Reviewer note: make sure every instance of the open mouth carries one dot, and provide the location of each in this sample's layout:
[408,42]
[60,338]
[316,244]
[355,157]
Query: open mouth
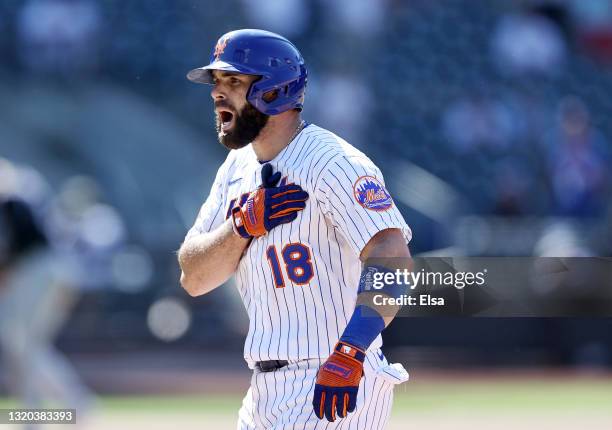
[226,118]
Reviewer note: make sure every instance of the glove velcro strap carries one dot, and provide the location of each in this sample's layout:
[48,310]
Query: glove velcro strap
[349,350]
[238,223]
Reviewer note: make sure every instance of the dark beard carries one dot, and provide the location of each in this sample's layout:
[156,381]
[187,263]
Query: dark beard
[247,126]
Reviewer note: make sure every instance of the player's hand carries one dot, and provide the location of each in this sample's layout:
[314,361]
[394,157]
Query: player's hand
[338,379]
[269,179]
[268,206]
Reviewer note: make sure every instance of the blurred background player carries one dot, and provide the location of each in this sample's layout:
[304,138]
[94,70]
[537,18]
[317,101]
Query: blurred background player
[37,295]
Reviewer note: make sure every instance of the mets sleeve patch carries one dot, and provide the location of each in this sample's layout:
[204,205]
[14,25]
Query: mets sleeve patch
[371,194]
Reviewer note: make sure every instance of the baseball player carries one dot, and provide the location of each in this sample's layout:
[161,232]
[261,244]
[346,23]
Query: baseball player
[297,215]
[36,297]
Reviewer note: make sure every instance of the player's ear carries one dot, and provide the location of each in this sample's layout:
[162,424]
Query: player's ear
[301,101]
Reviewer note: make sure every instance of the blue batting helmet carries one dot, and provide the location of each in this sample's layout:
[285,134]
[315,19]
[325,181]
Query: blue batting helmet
[266,54]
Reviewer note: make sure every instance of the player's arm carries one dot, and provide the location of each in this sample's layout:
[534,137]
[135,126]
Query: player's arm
[387,250]
[352,193]
[338,379]
[208,259]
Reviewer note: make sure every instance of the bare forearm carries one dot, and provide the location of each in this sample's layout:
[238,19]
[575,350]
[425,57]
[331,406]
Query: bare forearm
[387,249]
[210,259]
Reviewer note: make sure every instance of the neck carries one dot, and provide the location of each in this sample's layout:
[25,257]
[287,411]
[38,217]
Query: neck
[276,135]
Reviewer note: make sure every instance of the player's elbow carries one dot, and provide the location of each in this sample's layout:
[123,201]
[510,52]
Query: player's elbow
[193,284]
[194,287]
[200,273]
[198,281]
[189,286]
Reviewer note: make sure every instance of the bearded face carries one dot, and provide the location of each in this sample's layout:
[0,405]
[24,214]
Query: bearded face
[236,129]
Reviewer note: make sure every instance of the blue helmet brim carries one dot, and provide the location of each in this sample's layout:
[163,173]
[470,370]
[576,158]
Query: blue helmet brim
[203,75]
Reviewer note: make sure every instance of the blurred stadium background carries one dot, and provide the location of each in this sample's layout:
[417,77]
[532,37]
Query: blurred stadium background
[490,120]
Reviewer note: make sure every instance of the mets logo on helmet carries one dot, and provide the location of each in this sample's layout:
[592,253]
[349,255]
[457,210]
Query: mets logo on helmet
[220,47]
[371,194]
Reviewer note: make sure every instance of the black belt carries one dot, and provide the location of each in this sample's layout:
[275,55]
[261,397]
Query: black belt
[270,365]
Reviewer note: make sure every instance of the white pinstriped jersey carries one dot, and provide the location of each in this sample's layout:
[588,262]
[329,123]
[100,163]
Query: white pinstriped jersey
[299,282]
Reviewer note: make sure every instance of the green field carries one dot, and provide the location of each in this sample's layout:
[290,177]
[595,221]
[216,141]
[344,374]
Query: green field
[458,404]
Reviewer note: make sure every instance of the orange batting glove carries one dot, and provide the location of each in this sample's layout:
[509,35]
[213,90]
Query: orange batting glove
[338,381]
[268,206]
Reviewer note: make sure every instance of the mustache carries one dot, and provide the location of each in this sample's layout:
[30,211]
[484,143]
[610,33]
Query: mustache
[224,105]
